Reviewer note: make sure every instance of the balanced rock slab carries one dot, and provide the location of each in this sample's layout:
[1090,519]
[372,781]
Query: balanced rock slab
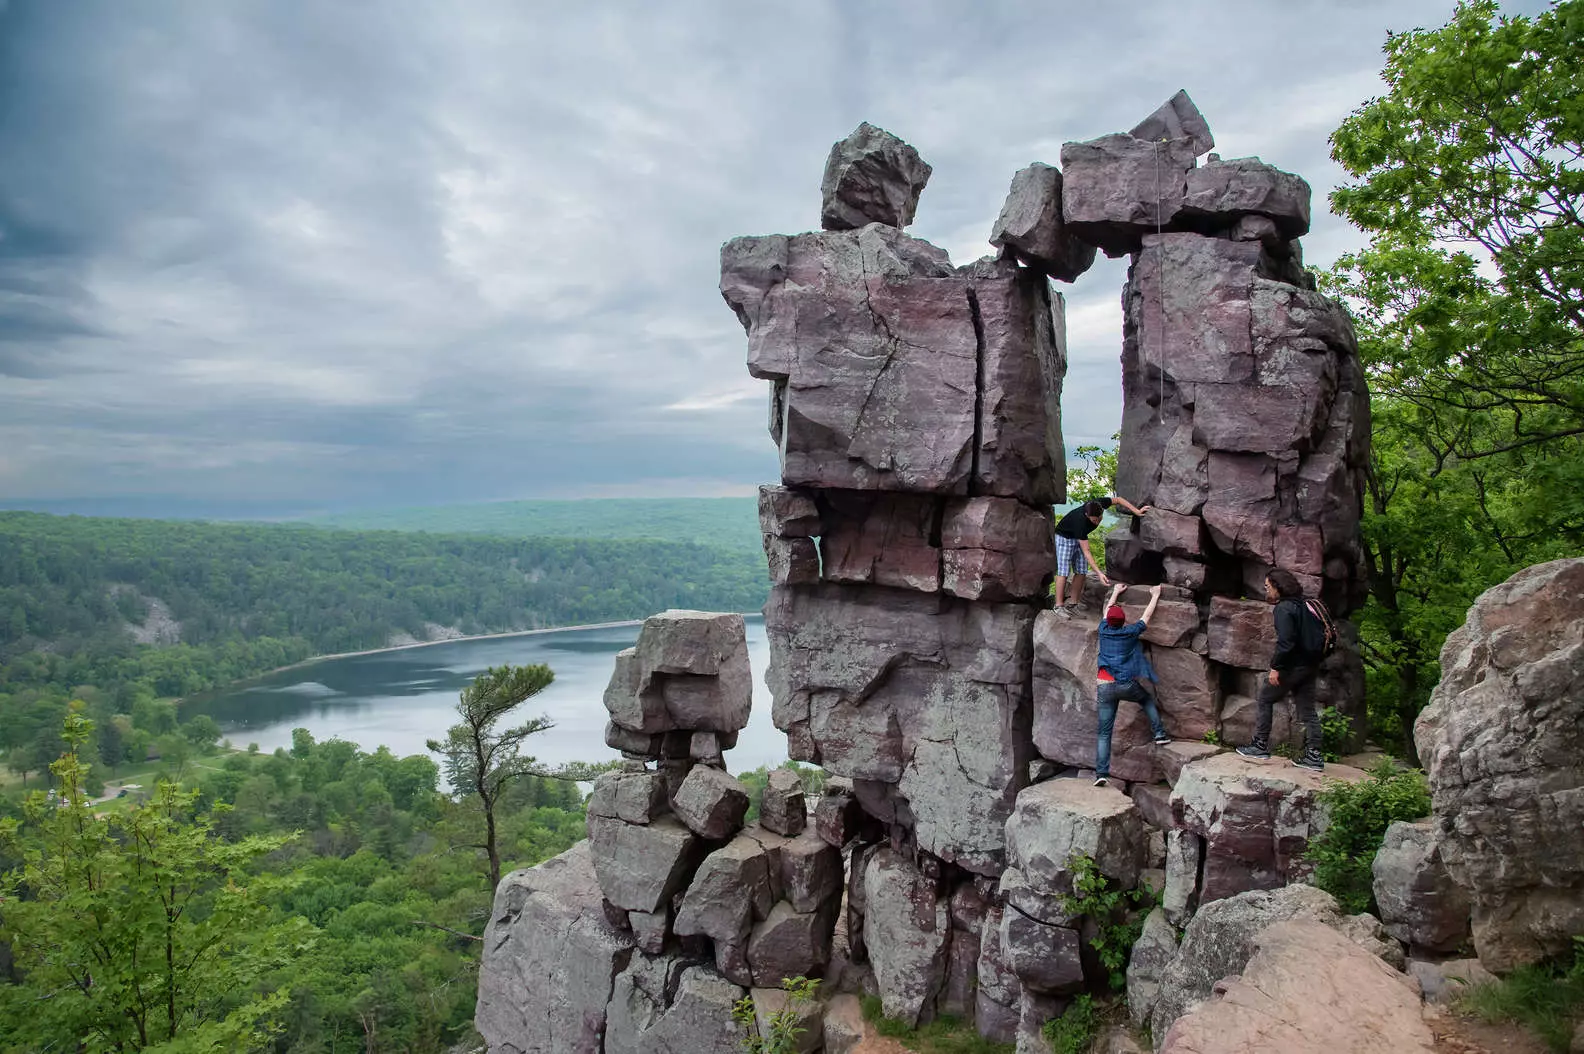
[711,803]
[871,177]
[1032,228]
[1116,189]
[1503,747]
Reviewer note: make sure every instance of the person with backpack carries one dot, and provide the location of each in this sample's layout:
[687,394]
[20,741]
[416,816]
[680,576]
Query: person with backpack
[1122,671]
[1072,549]
[1304,636]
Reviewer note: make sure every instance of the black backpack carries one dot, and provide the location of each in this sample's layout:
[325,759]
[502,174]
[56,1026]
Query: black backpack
[1319,631]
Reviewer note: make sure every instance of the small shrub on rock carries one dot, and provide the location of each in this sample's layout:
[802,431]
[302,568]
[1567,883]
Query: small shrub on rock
[1359,814]
[1117,913]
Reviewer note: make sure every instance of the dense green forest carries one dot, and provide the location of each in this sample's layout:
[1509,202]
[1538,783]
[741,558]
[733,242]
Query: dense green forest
[726,523]
[247,597]
[326,905]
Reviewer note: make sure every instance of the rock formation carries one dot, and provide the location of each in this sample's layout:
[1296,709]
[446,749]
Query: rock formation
[915,407]
[1502,743]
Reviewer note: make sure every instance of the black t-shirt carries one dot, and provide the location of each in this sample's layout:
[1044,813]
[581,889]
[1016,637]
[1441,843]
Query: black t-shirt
[1076,524]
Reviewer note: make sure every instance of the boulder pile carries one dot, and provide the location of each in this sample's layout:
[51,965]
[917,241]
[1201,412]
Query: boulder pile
[915,407]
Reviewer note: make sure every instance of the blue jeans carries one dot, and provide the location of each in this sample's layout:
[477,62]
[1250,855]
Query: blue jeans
[1109,694]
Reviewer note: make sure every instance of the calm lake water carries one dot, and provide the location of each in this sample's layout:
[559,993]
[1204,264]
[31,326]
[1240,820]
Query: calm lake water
[403,697]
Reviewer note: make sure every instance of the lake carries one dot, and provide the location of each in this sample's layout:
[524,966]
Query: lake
[402,697]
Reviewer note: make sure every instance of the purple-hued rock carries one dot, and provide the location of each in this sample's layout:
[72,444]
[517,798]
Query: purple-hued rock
[782,807]
[1023,360]
[1066,717]
[640,867]
[792,561]
[811,871]
[1045,958]
[537,994]
[1256,819]
[1502,741]
[871,177]
[837,814]
[734,886]
[1177,118]
[907,924]
[792,943]
[921,692]
[1116,189]
[1031,226]
[996,549]
[1189,298]
[711,803]
[1220,193]
[1242,633]
[1419,903]
[882,539]
[788,513]
[1164,531]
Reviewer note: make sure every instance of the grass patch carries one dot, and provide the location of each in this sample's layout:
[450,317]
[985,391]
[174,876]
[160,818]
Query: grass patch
[1074,1031]
[1547,999]
[944,1035]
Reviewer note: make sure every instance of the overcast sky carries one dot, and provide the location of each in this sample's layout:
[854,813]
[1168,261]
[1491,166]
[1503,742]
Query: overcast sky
[283,256]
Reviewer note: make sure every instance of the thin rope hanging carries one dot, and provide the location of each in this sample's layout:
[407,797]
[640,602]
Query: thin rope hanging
[1160,287]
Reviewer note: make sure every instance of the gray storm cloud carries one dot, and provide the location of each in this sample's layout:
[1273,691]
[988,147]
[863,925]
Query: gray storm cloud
[315,255]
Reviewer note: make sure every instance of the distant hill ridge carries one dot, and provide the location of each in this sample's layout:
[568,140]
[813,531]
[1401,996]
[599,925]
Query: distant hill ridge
[729,523]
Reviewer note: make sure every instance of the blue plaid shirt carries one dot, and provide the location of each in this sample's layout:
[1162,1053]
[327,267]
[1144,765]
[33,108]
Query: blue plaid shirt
[1121,654]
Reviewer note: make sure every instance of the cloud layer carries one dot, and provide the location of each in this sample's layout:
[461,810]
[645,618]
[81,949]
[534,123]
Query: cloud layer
[391,253]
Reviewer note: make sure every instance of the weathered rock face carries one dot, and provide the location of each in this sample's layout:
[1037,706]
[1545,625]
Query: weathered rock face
[906,926]
[1255,818]
[1221,939]
[871,177]
[1502,742]
[1032,228]
[550,959]
[1419,903]
[1306,988]
[922,694]
[916,412]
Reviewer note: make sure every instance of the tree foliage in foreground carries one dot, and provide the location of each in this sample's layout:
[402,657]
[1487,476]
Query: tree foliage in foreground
[1469,303]
[139,931]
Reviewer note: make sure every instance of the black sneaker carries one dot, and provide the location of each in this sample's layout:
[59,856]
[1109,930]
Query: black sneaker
[1312,761]
[1100,781]
[1162,741]
[1254,750]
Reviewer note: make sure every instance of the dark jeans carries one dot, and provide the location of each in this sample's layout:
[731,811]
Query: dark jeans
[1299,682]
[1109,694]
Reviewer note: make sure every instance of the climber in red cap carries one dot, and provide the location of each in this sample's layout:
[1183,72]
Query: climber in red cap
[1123,669]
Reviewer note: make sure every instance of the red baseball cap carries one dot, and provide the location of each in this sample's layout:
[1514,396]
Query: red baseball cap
[1115,615]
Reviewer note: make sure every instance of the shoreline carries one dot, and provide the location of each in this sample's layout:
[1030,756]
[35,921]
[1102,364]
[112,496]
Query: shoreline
[182,701]
[449,640]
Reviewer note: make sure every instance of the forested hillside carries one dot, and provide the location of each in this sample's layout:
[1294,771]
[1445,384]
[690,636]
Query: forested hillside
[220,601]
[729,523]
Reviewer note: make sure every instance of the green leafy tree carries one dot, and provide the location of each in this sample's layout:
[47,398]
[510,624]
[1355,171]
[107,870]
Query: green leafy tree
[1094,476]
[1469,304]
[139,931]
[482,759]
[1358,815]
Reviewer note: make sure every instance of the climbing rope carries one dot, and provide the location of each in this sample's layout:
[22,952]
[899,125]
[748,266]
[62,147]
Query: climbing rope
[1160,288]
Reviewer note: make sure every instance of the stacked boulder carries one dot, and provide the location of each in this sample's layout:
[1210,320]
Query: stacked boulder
[915,407]
[1245,426]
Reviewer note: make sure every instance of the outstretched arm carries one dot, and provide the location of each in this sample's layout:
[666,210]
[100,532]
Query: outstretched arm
[1083,543]
[1116,591]
[1129,506]
[1150,609]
